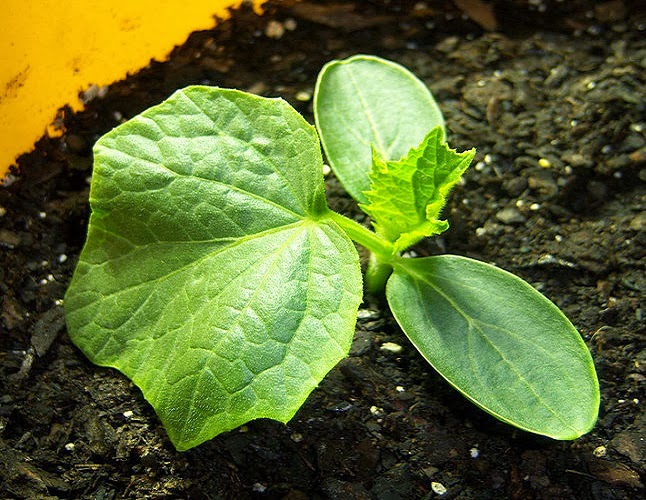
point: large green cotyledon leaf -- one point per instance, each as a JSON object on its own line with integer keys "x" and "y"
{"x": 210, "y": 276}
{"x": 499, "y": 342}
{"x": 366, "y": 102}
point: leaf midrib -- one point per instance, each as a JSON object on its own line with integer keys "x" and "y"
{"x": 368, "y": 112}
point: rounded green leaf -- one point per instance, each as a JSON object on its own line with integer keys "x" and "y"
{"x": 364, "y": 102}
{"x": 207, "y": 277}
{"x": 499, "y": 342}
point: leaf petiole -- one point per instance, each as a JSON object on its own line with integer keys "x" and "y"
{"x": 382, "y": 248}
{"x": 382, "y": 252}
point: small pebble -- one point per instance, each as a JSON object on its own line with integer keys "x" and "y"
{"x": 367, "y": 314}
{"x": 303, "y": 96}
{"x": 296, "y": 437}
{"x": 8, "y": 180}
{"x": 376, "y": 411}
{"x": 391, "y": 347}
{"x": 438, "y": 488}
{"x": 259, "y": 488}
{"x": 274, "y": 30}
{"x": 599, "y": 451}
{"x": 341, "y": 407}
{"x": 515, "y": 186}
{"x": 510, "y": 215}
{"x": 76, "y": 143}
{"x": 9, "y": 238}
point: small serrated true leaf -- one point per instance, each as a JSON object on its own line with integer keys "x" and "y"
{"x": 364, "y": 102}
{"x": 209, "y": 277}
{"x": 499, "y": 342}
{"x": 406, "y": 196}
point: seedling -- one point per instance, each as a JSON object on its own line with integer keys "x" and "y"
{"x": 216, "y": 277}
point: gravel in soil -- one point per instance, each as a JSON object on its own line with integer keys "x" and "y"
{"x": 554, "y": 103}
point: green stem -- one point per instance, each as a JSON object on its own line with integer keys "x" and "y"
{"x": 377, "y": 274}
{"x": 382, "y": 248}
{"x": 382, "y": 252}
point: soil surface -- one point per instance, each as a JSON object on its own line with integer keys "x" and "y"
{"x": 553, "y": 100}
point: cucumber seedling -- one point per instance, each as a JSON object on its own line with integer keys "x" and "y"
{"x": 216, "y": 277}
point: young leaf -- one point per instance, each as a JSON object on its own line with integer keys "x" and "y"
{"x": 209, "y": 277}
{"x": 499, "y": 342}
{"x": 407, "y": 195}
{"x": 364, "y": 102}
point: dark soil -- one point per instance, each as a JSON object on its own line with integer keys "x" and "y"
{"x": 554, "y": 102}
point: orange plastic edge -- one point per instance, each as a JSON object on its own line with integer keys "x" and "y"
{"x": 52, "y": 50}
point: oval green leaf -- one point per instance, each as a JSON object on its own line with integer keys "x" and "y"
{"x": 207, "y": 277}
{"x": 364, "y": 102}
{"x": 499, "y": 342}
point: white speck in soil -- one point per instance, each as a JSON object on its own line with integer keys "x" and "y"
{"x": 376, "y": 411}
{"x": 259, "y": 488}
{"x": 296, "y": 437}
{"x": 303, "y": 96}
{"x": 438, "y": 488}
{"x": 274, "y": 30}
{"x": 367, "y": 314}
{"x": 391, "y": 347}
